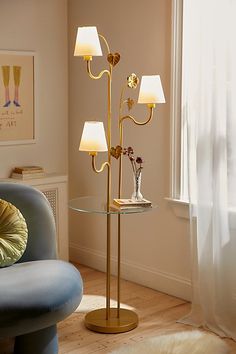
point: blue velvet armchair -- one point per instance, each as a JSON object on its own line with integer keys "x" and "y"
{"x": 38, "y": 291}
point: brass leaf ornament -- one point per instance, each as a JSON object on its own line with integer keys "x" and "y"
{"x": 132, "y": 81}
{"x": 116, "y": 152}
{"x": 130, "y": 103}
{"x": 113, "y": 59}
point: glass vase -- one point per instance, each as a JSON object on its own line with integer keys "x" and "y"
{"x": 137, "y": 196}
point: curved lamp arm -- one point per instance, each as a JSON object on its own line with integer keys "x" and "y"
{"x": 150, "y": 106}
{"x": 121, "y": 120}
{"x": 95, "y": 169}
{"x": 97, "y": 77}
{"x": 89, "y": 58}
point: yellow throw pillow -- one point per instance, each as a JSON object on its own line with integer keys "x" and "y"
{"x": 13, "y": 234}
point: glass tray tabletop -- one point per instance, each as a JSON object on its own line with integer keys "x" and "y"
{"x": 98, "y": 205}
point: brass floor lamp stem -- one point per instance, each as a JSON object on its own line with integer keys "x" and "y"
{"x": 108, "y": 275}
{"x": 121, "y": 120}
{"x": 118, "y": 265}
{"x": 108, "y": 266}
{"x": 108, "y": 270}
{"x": 108, "y": 164}
{"x": 119, "y": 225}
{"x": 108, "y": 229}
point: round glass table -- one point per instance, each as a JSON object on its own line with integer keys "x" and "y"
{"x": 95, "y": 205}
{"x": 109, "y": 320}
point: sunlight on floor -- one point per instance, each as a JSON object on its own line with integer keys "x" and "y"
{"x": 93, "y": 302}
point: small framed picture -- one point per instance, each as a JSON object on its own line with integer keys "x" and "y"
{"x": 17, "y": 116}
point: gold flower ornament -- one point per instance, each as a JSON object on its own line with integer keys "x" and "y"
{"x": 132, "y": 81}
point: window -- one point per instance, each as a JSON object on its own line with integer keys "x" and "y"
{"x": 179, "y": 181}
{"x": 179, "y": 158}
{"x": 203, "y": 77}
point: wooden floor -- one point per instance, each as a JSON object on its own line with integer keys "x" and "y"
{"x": 157, "y": 313}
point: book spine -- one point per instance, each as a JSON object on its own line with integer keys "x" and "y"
{"x": 29, "y": 176}
{"x": 132, "y": 205}
{"x": 23, "y": 172}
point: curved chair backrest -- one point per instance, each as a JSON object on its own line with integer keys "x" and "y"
{"x": 39, "y": 217}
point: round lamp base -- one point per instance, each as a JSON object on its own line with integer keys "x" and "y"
{"x": 96, "y": 321}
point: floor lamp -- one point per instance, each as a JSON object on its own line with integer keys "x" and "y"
{"x": 94, "y": 140}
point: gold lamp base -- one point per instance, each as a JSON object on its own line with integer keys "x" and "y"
{"x": 96, "y": 321}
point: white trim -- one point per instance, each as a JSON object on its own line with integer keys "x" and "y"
{"x": 151, "y": 277}
{"x": 48, "y": 178}
{"x": 176, "y": 74}
{"x": 180, "y": 207}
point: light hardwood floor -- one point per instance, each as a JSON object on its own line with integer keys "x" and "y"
{"x": 157, "y": 313}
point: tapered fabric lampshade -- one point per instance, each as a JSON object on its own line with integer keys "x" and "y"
{"x": 151, "y": 90}
{"x": 87, "y": 42}
{"x": 93, "y": 137}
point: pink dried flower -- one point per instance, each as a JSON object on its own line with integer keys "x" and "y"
{"x": 139, "y": 160}
{"x": 136, "y": 163}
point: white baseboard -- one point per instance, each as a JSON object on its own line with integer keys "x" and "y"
{"x": 153, "y": 278}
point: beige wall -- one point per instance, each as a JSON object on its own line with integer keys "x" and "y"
{"x": 155, "y": 246}
{"x": 40, "y": 26}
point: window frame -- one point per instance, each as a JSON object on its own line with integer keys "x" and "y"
{"x": 180, "y": 206}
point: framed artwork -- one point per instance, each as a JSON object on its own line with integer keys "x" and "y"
{"x": 17, "y": 118}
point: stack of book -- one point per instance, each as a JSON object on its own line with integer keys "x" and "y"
{"x": 27, "y": 172}
{"x": 129, "y": 203}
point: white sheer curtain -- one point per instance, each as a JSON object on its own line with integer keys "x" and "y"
{"x": 209, "y": 107}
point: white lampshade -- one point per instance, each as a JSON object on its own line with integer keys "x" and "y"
{"x": 93, "y": 137}
{"x": 151, "y": 90}
{"x": 87, "y": 42}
